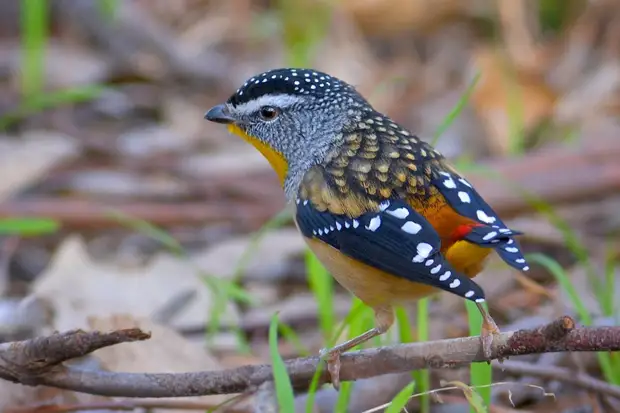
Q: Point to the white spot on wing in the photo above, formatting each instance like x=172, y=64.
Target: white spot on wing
x=423, y=250
x=338, y=226
x=445, y=276
x=464, y=197
x=429, y=263
x=436, y=269
x=449, y=183
x=356, y=223
x=400, y=213
x=384, y=205
x=455, y=283
x=411, y=227
x=482, y=216
x=520, y=261
x=374, y=224
x=469, y=293
x=512, y=249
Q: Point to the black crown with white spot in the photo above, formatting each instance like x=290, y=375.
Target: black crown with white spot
x=294, y=81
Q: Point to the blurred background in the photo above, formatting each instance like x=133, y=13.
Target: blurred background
x=120, y=205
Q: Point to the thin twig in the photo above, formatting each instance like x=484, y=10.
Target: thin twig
x=560, y=374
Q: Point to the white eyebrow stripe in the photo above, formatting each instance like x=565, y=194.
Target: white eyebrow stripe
x=279, y=101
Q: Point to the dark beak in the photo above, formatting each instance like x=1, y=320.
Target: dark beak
x=219, y=114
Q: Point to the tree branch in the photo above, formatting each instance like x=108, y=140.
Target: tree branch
x=36, y=361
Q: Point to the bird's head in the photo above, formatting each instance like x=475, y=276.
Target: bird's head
x=292, y=116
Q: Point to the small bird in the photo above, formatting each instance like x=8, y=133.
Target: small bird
x=385, y=212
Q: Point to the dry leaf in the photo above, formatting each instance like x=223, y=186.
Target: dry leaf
x=165, y=352
x=79, y=288
x=25, y=160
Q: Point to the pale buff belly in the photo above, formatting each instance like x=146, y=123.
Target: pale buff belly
x=373, y=287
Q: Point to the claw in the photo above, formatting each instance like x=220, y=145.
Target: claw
x=332, y=358
x=488, y=331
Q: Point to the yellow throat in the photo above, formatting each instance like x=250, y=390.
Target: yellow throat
x=275, y=158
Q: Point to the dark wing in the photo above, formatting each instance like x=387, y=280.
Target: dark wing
x=396, y=239
x=491, y=232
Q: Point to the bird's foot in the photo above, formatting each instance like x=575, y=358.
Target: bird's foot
x=488, y=331
x=332, y=358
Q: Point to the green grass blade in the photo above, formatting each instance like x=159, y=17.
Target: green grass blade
x=400, y=400
x=566, y=284
x=422, y=377
x=148, y=229
x=37, y=103
x=405, y=335
x=34, y=21
x=282, y=382
x=357, y=325
x=481, y=374
x=28, y=226
x=291, y=336
x=109, y=8
x=456, y=110
x=321, y=285
x=277, y=221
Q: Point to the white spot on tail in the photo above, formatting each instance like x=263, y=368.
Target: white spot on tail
x=480, y=300
x=526, y=268
x=469, y=293
x=374, y=224
x=411, y=227
x=490, y=235
x=512, y=249
x=520, y=261
x=400, y=213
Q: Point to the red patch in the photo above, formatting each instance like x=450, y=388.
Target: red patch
x=462, y=230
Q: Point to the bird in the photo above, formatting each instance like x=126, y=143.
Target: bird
x=389, y=217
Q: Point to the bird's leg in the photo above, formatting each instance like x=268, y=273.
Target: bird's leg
x=489, y=329
x=384, y=318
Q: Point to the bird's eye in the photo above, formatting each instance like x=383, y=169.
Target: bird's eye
x=268, y=112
